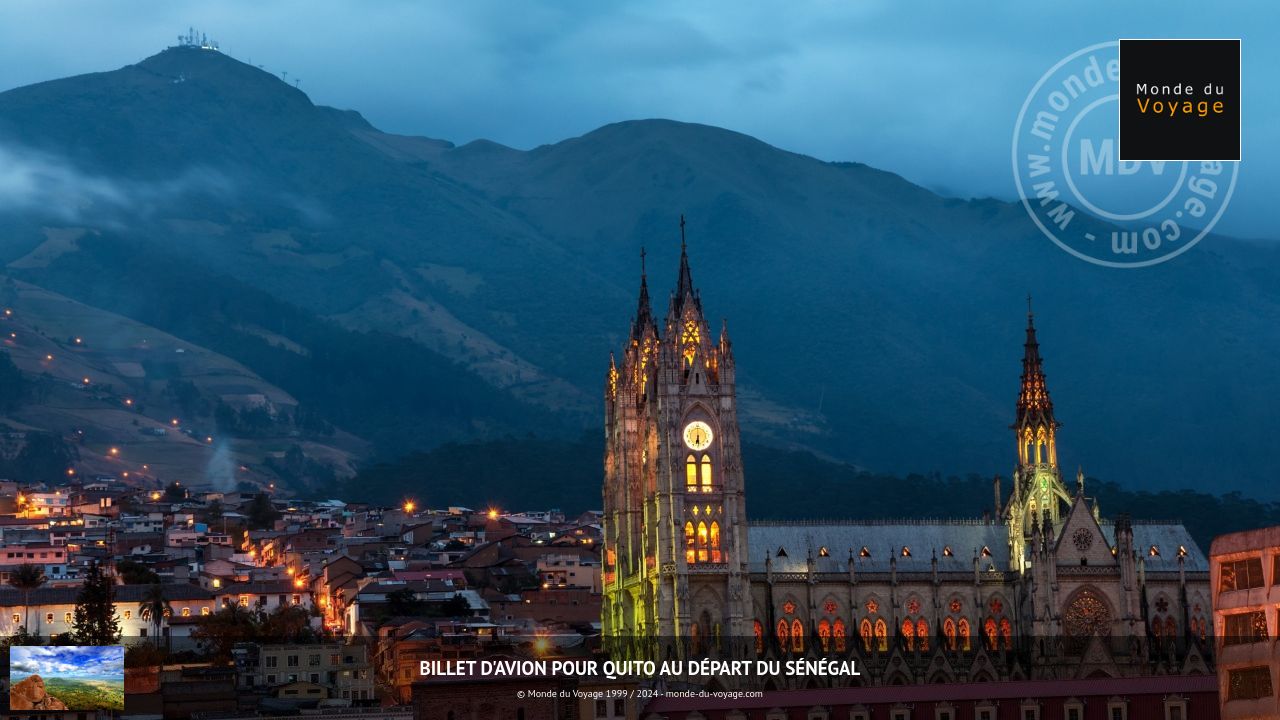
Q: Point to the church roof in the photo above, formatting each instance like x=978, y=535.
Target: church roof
x=1166, y=538
x=882, y=540
x=798, y=540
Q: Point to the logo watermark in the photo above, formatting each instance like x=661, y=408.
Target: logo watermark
x=1122, y=214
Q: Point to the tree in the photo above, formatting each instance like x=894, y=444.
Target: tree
x=262, y=514
x=219, y=632
x=173, y=493
x=13, y=389
x=214, y=511
x=94, y=621
x=27, y=577
x=155, y=609
x=135, y=573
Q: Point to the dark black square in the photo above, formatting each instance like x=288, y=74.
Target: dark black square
x=1177, y=72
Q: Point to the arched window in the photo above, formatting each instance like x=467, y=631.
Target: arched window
x=991, y=633
x=922, y=635
x=824, y=635
x=882, y=635
x=784, y=633
x=837, y=630
x=1006, y=632
x=908, y=635
x=1170, y=628
x=949, y=630
x=706, y=473
x=691, y=473
x=689, y=538
x=864, y=631
x=797, y=636
x=715, y=542
x=695, y=642
x=759, y=631
x=965, y=643
x=702, y=542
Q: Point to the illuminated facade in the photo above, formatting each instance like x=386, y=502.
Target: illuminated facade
x=675, y=565
x=1045, y=588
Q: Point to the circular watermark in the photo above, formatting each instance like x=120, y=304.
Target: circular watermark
x=1082, y=196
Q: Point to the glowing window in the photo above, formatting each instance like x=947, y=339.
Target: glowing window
x=864, y=631
x=759, y=631
x=797, y=636
x=864, y=552
x=837, y=631
x=702, y=542
x=964, y=635
x=1006, y=632
x=691, y=473
x=922, y=635
x=128, y=614
x=689, y=537
x=909, y=634
x=991, y=633
x=949, y=630
x=784, y=633
x=706, y=473
x=882, y=635
x=715, y=542
x=824, y=635
x=186, y=612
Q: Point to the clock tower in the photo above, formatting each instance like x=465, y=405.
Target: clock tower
x=675, y=564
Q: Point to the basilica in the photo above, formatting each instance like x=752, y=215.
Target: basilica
x=1048, y=587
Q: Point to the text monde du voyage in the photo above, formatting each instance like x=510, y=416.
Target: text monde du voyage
x=613, y=669
x=1178, y=99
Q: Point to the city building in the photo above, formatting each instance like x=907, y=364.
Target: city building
x=1245, y=576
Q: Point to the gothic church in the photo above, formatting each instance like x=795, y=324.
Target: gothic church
x=1046, y=588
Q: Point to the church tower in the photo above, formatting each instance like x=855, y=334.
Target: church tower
x=675, y=576
x=1039, y=497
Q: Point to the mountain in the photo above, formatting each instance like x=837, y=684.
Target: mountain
x=874, y=322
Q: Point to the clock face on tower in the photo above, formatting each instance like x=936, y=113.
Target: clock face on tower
x=697, y=435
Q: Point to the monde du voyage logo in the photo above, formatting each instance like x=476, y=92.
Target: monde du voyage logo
x=1125, y=154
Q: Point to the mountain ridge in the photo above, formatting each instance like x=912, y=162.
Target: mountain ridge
x=875, y=321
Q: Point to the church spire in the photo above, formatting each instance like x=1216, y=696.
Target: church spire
x=644, y=312
x=1034, y=404
x=684, y=292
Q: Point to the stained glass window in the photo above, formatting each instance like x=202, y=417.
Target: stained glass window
x=909, y=635
x=965, y=643
x=837, y=631
x=715, y=542
x=797, y=636
x=690, y=552
x=864, y=631
x=706, y=473
x=759, y=631
x=830, y=607
x=784, y=633
x=824, y=635
x=882, y=635
x=1087, y=615
x=949, y=630
x=922, y=635
x=1006, y=632
x=702, y=542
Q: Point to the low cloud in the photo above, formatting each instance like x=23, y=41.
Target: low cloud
x=40, y=183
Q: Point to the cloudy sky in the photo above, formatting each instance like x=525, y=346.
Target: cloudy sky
x=924, y=88
x=80, y=662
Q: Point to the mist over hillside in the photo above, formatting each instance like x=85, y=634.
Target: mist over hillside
x=874, y=322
